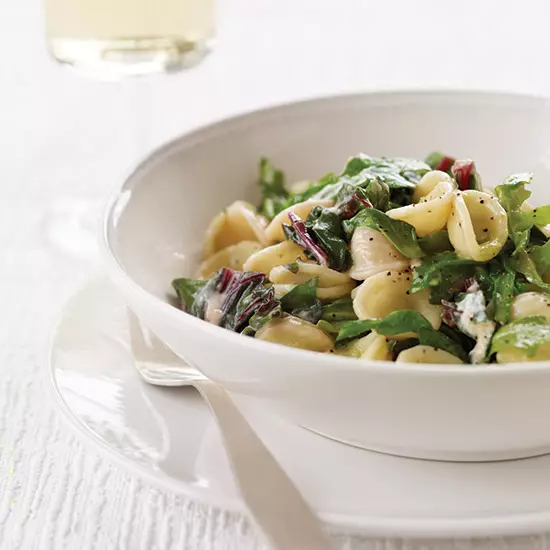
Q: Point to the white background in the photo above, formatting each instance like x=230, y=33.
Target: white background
x=66, y=141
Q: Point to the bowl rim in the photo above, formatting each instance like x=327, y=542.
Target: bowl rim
x=119, y=198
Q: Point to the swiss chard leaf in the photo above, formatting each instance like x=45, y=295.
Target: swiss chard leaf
x=439, y=273
x=325, y=226
x=439, y=161
x=466, y=175
x=302, y=301
x=400, y=233
x=400, y=322
x=526, y=334
x=186, y=289
x=274, y=193
x=396, y=172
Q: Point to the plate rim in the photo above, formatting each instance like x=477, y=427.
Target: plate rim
x=468, y=527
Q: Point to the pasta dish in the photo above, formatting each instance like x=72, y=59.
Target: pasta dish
x=393, y=259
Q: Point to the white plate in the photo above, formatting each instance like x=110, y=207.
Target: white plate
x=167, y=436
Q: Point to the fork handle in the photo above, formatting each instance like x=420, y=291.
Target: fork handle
x=271, y=497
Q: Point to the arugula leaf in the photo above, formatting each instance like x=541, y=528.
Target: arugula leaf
x=439, y=161
x=396, y=322
x=339, y=310
x=511, y=195
x=274, y=193
x=186, y=289
x=315, y=190
x=399, y=322
x=435, y=242
x=302, y=301
x=439, y=273
x=400, y=233
x=526, y=334
x=524, y=264
x=325, y=226
x=541, y=256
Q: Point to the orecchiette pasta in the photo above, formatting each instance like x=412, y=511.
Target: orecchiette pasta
x=384, y=293
x=427, y=354
x=373, y=346
x=530, y=304
x=303, y=272
x=429, y=182
x=234, y=256
x=297, y=333
x=327, y=293
x=372, y=253
x=277, y=254
x=430, y=214
x=274, y=231
x=478, y=226
x=239, y=222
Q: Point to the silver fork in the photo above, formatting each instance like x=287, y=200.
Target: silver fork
x=272, y=499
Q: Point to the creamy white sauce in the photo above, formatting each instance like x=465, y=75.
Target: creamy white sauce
x=213, y=313
x=474, y=322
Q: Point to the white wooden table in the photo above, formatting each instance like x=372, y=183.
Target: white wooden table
x=66, y=141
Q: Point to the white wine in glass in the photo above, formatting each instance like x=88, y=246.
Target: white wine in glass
x=129, y=37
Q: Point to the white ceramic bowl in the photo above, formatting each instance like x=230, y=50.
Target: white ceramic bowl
x=153, y=232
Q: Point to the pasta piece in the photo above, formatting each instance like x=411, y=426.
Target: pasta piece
x=386, y=292
x=324, y=294
x=478, y=226
x=239, y=222
x=432, y=211
x=427, y=354
x=513, y=355
x=305, y=271
x=429, y=182
x=530, y=304
x=274, y=231
x=372, y=253
x=297, y=333
x=234, y=256
x=373, y=346
x=278, y=254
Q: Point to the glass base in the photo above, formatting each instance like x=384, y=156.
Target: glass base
x=128, y=56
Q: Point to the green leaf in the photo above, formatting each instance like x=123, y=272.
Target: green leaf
x=511, y=195
x=274, y=193
x=396, y=172
x=433, y=160
x=339, y=310
x=331, y=328
x=438, y=274
x=396, y=322
x=526, y=334
x=541, y=256
x=435, y=243
x=302, y=301
x=524, y=264
x=400, y=233
x=325, y=226
x=186, y=289
x=400, y=322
